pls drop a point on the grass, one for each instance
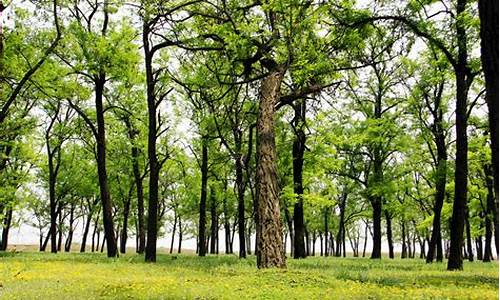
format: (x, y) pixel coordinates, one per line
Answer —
(31, 275)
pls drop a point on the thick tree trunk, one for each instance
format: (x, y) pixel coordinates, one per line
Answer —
(270, 246)
(388, 220)
(202, 250)
(488, 16)
(461, 169)
(107, 205)
(299, 146)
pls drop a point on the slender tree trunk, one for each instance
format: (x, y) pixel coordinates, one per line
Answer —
(270, 247)
(154, 171)
(468, 235)
(366, 240)
(299, 146)
(461, 169)
(107, 205)
(173, 233)
(141, 230)
(213, 222)
(325, 227)
(180, 236)
(404, 253)
(227, 227)
(69, 238)
(341, 232)
(126, 212)
(203, 199)
(441, 169)
(491, 212)
(7, 220)
(240, 187)
(388, 220)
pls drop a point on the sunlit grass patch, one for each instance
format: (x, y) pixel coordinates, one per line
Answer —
(91, 276)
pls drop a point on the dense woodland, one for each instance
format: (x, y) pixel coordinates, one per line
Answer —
(250, 124)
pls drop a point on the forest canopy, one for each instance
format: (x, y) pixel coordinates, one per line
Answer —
(255, 126)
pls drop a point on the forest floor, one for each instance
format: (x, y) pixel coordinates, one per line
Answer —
(31, 275)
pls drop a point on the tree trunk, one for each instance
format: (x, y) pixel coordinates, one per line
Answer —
(203, 199)
(488, 16)
(240, 188)
(404, 252)
(69, 238)
(479, 247)
(141, 231)
(325, 224)
(180, 236)
(270, 246)
(126, 212)
(173, 233)
(468, 235)
(377, 232)
(152, 228)
(441, 169)
(227, 226)
(213, 222)
(107, 205)
(299, 146)
(7, 220)
(341, 232)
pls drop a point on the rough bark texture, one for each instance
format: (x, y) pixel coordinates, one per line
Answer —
(270, 251)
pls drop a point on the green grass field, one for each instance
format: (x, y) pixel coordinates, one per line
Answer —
(28, 275)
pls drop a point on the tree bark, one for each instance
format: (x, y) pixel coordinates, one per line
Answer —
(488, 16)
(202, 250)
(461, 169)
(7, 220)
(491, 211)
(298, 148)
(107, 205)
(270, 246)
(152, 227)
(377, 232)
(213, 221)
(87, 225)
(126, 212)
